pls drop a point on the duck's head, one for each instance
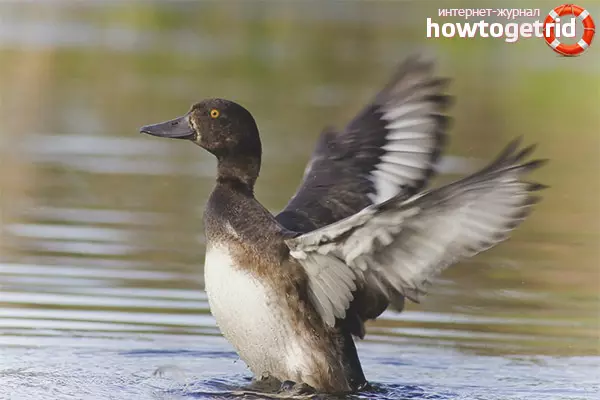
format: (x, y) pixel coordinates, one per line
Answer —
(223, 127)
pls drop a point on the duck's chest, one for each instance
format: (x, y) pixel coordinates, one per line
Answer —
(251, 313)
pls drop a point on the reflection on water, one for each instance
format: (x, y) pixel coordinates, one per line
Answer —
(101, 242)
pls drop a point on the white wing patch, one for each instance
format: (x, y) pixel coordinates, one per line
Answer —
(412, 139)
(411, 109)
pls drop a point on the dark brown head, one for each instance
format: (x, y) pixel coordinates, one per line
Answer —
(223, 128)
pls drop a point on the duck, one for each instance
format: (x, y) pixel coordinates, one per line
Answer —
(291, 292)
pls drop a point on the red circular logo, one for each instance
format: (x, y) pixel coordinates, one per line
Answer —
(589, 30)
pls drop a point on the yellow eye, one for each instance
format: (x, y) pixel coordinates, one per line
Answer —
(214, 113)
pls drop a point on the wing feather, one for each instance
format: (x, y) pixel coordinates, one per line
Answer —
(398, 246)
(391, 147)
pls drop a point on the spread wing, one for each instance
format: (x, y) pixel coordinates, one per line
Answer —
(397, 247)
(389, 148)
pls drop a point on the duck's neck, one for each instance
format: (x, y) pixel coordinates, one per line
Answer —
(239, 173)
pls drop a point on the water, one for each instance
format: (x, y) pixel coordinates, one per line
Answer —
(101, 242)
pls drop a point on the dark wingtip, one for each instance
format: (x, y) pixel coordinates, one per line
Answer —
(417, 61)
(513, 145)
(420, 58)
(535, 186)
(532, 200)
(525, 152)
(510, 156)
(535, 164)
(442, 101)
(509, 149)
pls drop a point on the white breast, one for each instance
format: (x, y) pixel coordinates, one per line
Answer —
(251, 319)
